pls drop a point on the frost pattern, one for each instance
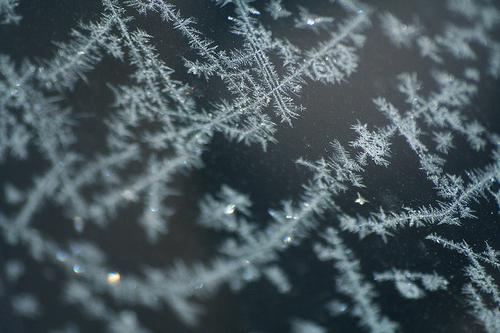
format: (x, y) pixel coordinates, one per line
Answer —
(8, 12)
(158, 128)
(458, 40)
(405, 282)
(352, 283)
(482, 285)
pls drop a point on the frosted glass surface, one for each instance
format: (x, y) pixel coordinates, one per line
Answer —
(249, 166)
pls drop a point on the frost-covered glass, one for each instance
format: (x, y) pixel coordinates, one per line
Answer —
(249, 166)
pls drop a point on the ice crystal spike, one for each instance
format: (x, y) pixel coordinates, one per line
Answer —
(482, 292)
(351, 283)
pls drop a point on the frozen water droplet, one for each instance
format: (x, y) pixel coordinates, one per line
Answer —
(113, 278)
(230, 209)
(287, 239)
(254, 11)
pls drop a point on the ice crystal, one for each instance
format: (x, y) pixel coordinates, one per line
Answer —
(351, 282)
(405, 282)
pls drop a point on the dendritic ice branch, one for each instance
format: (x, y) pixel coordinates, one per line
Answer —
(351, 283)
(174, 142)
(442, 109)
(307, 20)
(406, 282)
(277, 10)
(482, 292)
(399, 33)
(451, 212)
(250, 75)
(458, 40)
(251, 253)
(179, 126)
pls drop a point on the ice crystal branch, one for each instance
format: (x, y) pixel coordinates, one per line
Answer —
(450, 212)
(247, 256)
(482, 292)
(307, 20)
(405, 282)
(374, 145)
(442, 109)
(250, 75)
(277, 10)
(250, 253)
(460, 41)
(352, 283)
(401, 34)
(79, 56)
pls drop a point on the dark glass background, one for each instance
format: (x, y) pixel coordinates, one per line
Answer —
(267, 177)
